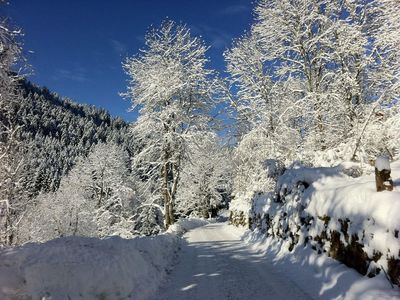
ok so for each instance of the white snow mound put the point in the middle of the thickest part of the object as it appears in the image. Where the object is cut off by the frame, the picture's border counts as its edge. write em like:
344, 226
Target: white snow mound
91, 268
86, 268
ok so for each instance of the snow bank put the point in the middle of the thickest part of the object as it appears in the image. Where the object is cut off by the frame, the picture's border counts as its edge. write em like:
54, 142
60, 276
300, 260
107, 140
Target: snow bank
185, 224
336, 214
91, 268
321, 276
86, 268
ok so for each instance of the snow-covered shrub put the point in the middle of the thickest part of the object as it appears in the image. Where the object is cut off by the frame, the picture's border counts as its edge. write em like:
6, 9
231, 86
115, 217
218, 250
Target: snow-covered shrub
59, 214
114, 217
148, 220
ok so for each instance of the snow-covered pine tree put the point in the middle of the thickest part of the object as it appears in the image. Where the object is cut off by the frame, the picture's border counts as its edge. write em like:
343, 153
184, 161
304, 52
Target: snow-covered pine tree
173, 89
56, 131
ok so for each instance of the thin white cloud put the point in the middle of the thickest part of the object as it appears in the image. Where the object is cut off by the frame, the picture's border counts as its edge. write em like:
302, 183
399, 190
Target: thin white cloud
118, 47
78, 74
234, 9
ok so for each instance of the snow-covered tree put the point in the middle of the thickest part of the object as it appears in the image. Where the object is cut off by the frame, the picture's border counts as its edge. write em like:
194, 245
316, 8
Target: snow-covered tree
104, 179
379, 69
95, 199
321, 67
260, 103
206, 178
174, 91
102, 172
298, 38
245, 63
66, 212
12, 203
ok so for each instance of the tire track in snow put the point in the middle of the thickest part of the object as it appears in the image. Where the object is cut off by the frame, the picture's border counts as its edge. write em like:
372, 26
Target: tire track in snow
215, 264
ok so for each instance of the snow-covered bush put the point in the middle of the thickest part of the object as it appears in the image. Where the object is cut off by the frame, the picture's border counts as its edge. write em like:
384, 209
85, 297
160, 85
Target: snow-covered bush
115, 216
63, 213
148, 220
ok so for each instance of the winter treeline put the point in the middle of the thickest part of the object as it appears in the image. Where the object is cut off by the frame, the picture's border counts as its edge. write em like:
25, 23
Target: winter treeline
49, 136
41, 137
318, 82
312, 82
56, 131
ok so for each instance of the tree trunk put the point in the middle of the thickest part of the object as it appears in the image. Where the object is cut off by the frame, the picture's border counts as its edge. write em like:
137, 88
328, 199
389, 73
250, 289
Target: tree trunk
167, 220
166, 194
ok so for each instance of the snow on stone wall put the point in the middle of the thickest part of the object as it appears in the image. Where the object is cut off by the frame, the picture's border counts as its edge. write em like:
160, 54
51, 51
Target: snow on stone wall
341, 216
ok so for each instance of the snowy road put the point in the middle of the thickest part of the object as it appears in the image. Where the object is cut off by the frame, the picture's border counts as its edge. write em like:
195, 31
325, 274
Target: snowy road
215, 264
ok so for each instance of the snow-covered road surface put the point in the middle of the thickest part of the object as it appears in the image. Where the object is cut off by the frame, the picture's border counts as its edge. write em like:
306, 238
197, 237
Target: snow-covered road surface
215, 264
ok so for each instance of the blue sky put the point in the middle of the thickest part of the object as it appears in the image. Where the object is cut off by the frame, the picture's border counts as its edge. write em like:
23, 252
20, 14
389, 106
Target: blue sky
78, 46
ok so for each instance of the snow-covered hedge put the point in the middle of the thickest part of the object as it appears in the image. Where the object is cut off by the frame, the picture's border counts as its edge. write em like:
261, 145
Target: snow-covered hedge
337, 214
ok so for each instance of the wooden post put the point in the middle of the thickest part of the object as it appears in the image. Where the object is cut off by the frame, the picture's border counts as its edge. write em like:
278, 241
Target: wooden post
382, 174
